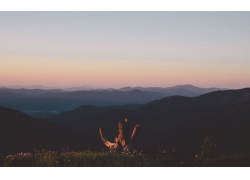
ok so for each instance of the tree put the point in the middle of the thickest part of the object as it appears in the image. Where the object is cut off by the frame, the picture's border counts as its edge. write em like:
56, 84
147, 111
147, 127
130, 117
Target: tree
209, 149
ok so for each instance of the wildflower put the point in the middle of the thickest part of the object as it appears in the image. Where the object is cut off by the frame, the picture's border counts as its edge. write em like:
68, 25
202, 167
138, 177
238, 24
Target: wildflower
10, 156
197, 156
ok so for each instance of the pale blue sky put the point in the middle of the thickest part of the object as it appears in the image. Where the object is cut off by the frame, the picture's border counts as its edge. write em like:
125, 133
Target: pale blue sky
115, 49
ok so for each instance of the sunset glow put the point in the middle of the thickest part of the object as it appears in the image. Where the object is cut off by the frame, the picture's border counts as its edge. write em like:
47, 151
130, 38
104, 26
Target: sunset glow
117, 49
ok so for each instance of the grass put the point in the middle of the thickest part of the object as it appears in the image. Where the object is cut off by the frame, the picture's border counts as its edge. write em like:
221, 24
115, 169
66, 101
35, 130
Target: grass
77, 159
106, 159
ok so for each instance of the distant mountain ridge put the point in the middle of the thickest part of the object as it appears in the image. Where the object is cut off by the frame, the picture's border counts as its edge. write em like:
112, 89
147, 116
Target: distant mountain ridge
128, 88
192, 90
42, 102
30, 87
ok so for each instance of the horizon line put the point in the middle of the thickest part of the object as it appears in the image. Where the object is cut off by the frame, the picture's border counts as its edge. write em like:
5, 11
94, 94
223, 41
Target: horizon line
92, 87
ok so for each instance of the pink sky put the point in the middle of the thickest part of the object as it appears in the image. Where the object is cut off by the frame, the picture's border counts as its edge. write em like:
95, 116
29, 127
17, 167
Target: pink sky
115, 49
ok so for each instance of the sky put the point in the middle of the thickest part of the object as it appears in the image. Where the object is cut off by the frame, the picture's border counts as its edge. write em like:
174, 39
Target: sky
117, 49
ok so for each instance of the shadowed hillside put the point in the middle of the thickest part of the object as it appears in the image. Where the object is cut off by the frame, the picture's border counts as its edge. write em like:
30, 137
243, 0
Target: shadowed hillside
85, 111
183, 122
89, 124
178, 122
22, 133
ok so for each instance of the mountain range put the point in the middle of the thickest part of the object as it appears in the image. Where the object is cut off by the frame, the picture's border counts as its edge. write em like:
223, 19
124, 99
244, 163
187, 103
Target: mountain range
42, 102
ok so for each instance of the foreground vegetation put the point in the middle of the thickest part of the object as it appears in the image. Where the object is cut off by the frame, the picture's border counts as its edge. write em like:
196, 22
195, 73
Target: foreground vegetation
77, 159
208, 157
106, 159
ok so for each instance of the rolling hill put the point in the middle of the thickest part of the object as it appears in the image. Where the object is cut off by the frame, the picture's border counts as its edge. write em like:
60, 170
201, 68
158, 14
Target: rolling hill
22, 133
177, 121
